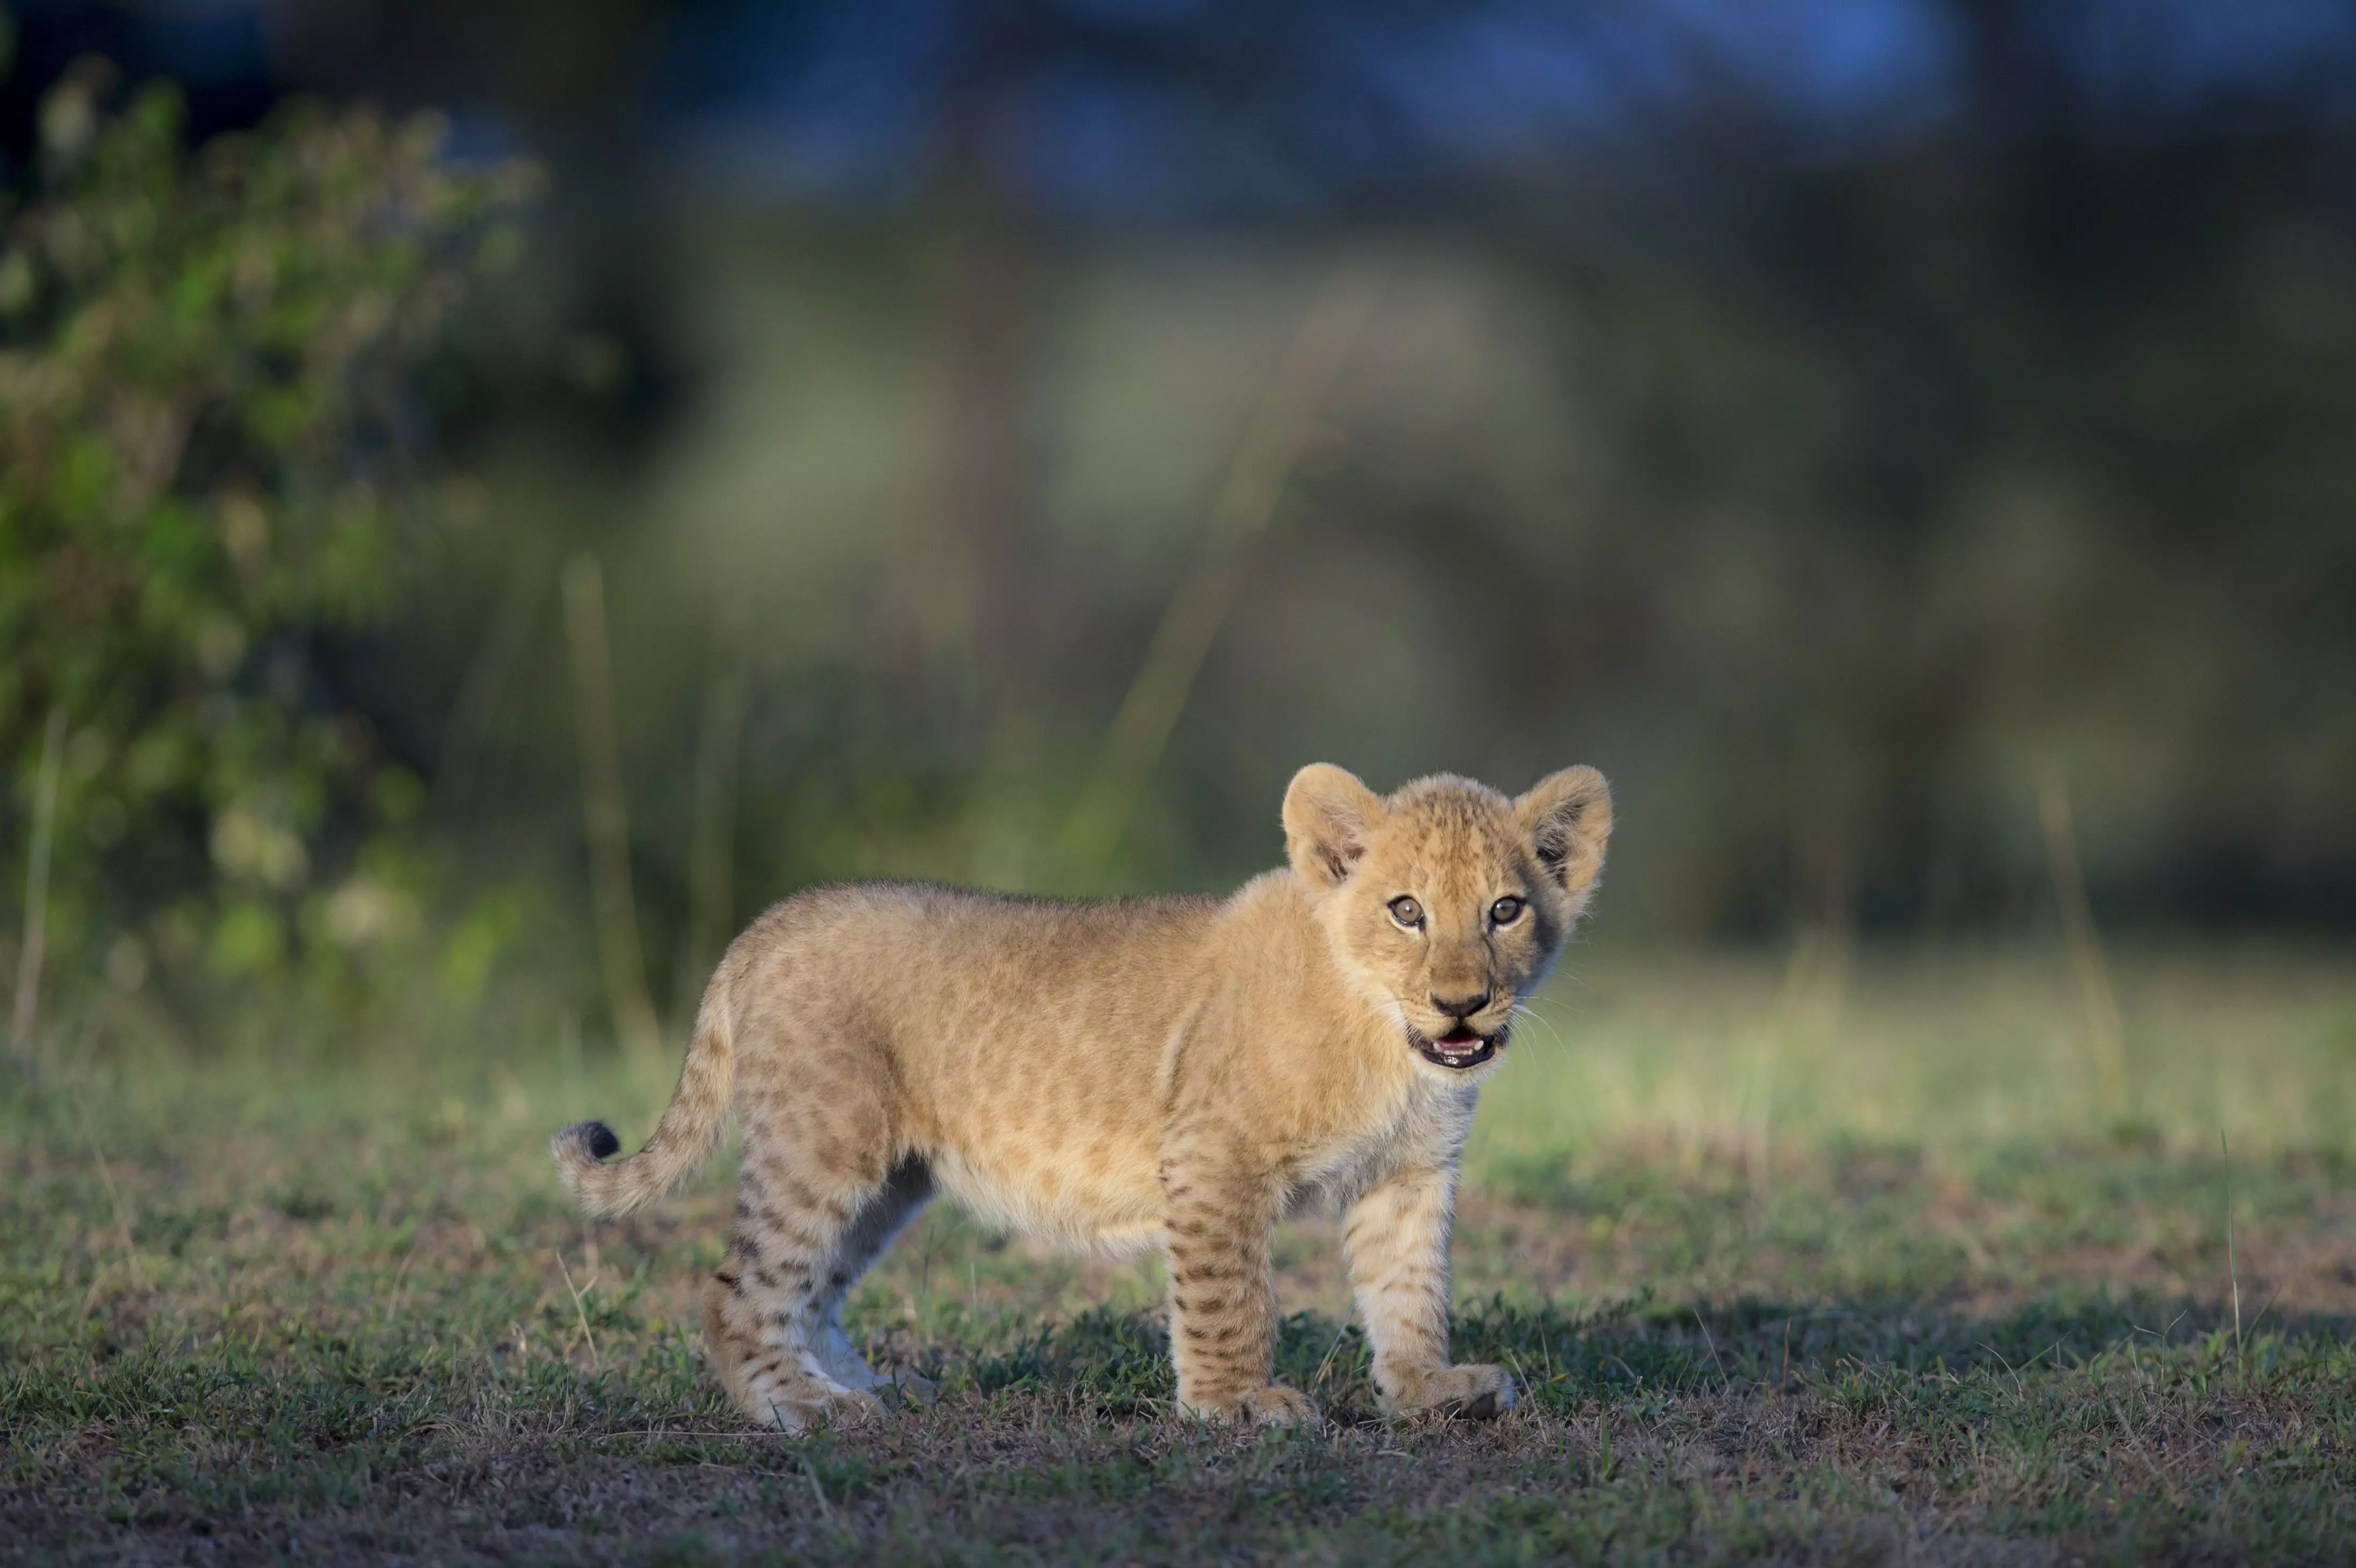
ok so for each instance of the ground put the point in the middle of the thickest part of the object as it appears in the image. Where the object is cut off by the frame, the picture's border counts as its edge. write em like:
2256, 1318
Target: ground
1812, 1262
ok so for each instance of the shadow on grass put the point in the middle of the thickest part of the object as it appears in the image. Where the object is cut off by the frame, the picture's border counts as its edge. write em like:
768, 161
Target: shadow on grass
1641, 1350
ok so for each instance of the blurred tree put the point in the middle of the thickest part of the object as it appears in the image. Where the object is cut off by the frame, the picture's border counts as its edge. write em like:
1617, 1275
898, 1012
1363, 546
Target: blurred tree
1859, 407
212, 454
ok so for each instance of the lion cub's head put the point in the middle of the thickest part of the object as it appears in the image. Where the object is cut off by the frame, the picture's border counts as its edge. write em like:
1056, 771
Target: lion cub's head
1447, 902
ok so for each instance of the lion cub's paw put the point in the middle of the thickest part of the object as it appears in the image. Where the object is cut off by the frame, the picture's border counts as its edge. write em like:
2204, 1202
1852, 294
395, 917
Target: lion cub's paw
1273, 1405
1470, 1394
1277, 1406
837, 1407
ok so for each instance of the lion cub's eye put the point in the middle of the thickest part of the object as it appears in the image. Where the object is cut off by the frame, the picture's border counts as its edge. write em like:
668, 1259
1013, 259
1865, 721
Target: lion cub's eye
1407, 912
1505, 911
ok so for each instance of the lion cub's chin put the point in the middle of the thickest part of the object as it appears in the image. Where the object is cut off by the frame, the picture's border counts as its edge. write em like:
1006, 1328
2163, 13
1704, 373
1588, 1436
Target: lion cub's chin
1461, 1050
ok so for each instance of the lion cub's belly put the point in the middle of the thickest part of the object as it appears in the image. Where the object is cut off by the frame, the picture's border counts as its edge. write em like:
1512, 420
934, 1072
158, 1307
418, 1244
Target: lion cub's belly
1095, 1192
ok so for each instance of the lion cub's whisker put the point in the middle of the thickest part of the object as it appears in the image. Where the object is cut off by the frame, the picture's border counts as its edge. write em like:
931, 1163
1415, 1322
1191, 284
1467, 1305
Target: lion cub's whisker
1521, 1010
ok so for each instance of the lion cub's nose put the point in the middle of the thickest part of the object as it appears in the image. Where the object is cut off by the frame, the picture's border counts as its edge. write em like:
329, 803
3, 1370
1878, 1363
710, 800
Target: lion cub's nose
1461, 1006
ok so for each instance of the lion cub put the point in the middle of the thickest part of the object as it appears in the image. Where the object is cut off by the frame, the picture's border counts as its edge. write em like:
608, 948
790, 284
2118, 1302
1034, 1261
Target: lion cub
1116, 1075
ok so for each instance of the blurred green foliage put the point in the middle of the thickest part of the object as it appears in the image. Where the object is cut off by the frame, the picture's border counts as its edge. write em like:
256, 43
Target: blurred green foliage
1846, 502
214, 456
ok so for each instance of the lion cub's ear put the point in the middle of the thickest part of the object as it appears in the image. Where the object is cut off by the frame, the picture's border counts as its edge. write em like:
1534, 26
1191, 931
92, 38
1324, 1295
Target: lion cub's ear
1569, 817
1329, 816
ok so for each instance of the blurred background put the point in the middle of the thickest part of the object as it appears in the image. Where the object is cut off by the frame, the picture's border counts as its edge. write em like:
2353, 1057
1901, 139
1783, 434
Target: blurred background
492, 494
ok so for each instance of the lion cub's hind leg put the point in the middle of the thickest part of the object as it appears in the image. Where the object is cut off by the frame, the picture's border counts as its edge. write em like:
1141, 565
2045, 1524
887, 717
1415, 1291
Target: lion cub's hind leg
805, 1231
905, 1193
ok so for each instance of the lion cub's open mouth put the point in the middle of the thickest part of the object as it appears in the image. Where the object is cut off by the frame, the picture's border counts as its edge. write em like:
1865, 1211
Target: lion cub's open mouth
1460, 1047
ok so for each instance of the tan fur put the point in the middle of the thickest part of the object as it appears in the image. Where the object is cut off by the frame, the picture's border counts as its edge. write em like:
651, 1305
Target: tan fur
1122, 1074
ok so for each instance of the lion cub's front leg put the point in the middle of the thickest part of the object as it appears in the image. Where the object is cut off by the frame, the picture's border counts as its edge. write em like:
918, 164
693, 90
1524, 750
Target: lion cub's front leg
1396, 1240
1219, 1211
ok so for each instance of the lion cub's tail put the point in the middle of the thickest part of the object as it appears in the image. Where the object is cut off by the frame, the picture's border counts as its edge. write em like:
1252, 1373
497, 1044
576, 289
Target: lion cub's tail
683, 1139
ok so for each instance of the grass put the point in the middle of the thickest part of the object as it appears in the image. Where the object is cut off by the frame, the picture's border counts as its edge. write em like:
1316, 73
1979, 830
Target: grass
1790, 1272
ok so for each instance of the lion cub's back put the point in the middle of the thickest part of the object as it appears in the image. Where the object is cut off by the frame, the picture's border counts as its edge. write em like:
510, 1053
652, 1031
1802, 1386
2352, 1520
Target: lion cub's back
1027, 1035
928, 954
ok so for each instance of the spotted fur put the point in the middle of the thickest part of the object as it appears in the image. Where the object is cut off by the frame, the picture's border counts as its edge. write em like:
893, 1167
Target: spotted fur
1128, 1073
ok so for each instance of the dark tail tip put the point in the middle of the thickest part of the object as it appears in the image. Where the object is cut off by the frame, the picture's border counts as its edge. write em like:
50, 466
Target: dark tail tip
598, 1139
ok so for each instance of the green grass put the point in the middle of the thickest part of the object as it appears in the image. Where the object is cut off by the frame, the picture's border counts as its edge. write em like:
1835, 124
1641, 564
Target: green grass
1790, 1272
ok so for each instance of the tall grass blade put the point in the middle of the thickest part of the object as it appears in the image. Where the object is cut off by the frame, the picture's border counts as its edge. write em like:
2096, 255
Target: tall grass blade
2233, 1264
712, 844
603, 812
2106, 1037
1247, 502
489, 677
25, 1013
